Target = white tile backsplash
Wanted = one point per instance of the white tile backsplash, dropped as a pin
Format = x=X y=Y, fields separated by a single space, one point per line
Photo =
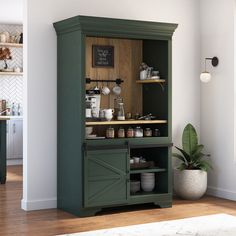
x=11 y=87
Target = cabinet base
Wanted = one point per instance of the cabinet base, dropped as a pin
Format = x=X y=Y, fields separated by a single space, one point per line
x=163 y=204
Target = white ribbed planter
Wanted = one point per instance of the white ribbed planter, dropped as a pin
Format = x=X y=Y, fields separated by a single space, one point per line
x=190 y=184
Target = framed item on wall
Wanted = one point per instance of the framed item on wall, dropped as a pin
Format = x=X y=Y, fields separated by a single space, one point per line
x=103 y=56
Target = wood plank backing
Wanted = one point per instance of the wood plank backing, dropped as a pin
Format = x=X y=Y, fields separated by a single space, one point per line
x=127 y=58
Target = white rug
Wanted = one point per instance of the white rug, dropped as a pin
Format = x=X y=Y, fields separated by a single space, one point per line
x=212 y=225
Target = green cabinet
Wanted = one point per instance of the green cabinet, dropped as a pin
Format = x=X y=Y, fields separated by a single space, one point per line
x=106 y=177
x=93 y=174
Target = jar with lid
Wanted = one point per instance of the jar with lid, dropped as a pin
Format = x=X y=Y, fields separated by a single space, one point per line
x=121 y=132
x=116 y=105
x=130 y=132
x=148 y=132
x=110 y=132
x=121 y=112
x=138 y=132
x=156 y=133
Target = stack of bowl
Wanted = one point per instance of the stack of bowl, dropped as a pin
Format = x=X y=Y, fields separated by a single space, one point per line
x=148 y=181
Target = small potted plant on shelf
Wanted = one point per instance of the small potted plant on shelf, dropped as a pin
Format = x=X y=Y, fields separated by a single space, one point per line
x=190 y=177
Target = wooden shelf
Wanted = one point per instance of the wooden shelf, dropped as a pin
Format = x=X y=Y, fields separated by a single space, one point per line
x=11 y=73
x=150 y=81
x=153 y=170
x=16 y=45
x=126 y=122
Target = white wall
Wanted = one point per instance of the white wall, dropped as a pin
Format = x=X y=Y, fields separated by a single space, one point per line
x=11 y=11
x=40 y=149
x=217 y=97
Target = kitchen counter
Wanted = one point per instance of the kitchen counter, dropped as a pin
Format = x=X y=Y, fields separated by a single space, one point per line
x=3 y=147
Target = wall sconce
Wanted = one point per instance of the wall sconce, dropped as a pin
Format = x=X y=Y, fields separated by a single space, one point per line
x=205 y=76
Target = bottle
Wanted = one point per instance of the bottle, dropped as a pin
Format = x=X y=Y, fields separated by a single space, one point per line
x=121 y=112
x=8 y=107
x=116 y=105
x=19 y=110
x=13 y=109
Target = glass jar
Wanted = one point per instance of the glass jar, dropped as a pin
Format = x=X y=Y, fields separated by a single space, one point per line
x=156 y=133
x=116 y=105
x=121 y=112
x=138 y=132
x=148 y=132
x=110 y=132
x=130 y=132
x=121 y=132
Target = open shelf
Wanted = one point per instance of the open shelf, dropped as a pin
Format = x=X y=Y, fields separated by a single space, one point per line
x=150 y=81
x=153 y=170
x=126 y=122
x=16 y=45
x=11 y=73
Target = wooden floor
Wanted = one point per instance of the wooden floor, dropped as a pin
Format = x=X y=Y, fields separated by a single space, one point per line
x=14 y=221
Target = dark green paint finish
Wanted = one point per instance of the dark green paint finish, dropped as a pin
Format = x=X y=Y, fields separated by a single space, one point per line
x=109 y=27
x=3 y=162
x=82 y=179
x=106 y=177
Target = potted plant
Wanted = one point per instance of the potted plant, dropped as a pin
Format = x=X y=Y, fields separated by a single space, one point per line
x=190 y=177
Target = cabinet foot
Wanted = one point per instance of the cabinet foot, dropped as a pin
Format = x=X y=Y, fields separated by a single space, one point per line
x=163 y=204
x=3 y=181
x=89 y=212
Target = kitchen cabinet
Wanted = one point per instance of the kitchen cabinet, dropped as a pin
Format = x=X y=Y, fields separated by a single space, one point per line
x=15 y=139
x=95 y=173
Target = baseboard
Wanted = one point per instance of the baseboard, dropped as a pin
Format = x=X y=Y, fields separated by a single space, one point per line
x=14 y=162
x=38 y=204
x=221 y=193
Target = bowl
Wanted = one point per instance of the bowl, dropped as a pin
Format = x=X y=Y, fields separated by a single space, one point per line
x=134 y=186
x=88 y=130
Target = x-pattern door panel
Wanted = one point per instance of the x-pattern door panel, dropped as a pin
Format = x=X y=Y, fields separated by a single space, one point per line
x=105 y=177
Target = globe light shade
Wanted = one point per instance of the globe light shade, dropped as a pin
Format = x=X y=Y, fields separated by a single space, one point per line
x=205 y=77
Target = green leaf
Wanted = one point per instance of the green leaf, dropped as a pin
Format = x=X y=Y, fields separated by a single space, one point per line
x=189 y=139
x=198 y=149
x=187 y=157
x=182 y=166
x=182 y=158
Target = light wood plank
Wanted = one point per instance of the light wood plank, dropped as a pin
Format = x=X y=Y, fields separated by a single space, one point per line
x=11 y=73
x=126 y=122
x=150 y=81
x=127 y=58
x=14 y=221
x=16 y=45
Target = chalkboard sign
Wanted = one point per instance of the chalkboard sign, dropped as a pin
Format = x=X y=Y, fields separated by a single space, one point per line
x=103 y=56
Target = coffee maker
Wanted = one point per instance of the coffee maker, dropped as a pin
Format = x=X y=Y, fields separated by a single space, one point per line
x=92 y=101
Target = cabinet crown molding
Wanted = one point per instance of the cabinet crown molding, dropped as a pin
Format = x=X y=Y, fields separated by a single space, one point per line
x=100 y=26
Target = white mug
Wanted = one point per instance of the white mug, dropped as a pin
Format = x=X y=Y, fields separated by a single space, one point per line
x=108 y=114
x=117 y=90
x=105 y=90
x=143 y=74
